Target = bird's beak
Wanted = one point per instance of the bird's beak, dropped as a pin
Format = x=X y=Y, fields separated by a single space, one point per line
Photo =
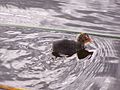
x=88 y=41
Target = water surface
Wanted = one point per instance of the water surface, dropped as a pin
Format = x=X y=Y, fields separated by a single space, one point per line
x=25 y=53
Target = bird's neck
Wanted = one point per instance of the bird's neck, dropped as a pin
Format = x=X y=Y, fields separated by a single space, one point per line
x=81 y=42
x=80 y=46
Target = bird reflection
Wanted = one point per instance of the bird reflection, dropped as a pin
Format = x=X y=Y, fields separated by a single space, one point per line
x=84 y=53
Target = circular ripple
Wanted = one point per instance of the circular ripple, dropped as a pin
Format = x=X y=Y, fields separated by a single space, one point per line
x=29 y=60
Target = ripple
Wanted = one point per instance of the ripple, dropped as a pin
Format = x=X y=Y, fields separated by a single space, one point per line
x=25 y=52
x=33 y=65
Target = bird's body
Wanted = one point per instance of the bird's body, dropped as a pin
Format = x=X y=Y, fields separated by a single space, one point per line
x=66 y=47
x=70 y=47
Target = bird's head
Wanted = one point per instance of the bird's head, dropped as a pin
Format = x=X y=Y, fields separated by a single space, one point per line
x=84 y=38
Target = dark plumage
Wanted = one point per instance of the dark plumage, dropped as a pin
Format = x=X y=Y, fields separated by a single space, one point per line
x=70 y=47
x=66 y=47
x=84 y=53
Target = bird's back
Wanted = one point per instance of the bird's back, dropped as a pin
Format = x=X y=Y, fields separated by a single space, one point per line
x=65 y=46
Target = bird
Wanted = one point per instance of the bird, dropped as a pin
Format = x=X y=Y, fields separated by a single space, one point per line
x=69 y=47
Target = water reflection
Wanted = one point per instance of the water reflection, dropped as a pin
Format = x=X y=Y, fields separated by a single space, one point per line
x=86 y=15
x=25 y=55
x=23 y=4
x=25 y=52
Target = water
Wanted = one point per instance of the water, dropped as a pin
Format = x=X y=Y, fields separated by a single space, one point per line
x=25 y=53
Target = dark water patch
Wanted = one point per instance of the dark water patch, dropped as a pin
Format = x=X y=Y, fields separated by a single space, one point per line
x=90 y=27
x=6 y=77
x=7 y=35
x=89 y=12
x=95 y=87
x=23 y=4
x=117 y=43
x=110 y=69
x=110 y=23
x=26 y=79
x=3 y=69
x=90 y=19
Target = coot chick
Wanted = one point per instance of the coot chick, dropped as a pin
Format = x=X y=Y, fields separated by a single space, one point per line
x=70 y=47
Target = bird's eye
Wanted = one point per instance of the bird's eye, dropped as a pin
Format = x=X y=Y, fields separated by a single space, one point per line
x=86 y=37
